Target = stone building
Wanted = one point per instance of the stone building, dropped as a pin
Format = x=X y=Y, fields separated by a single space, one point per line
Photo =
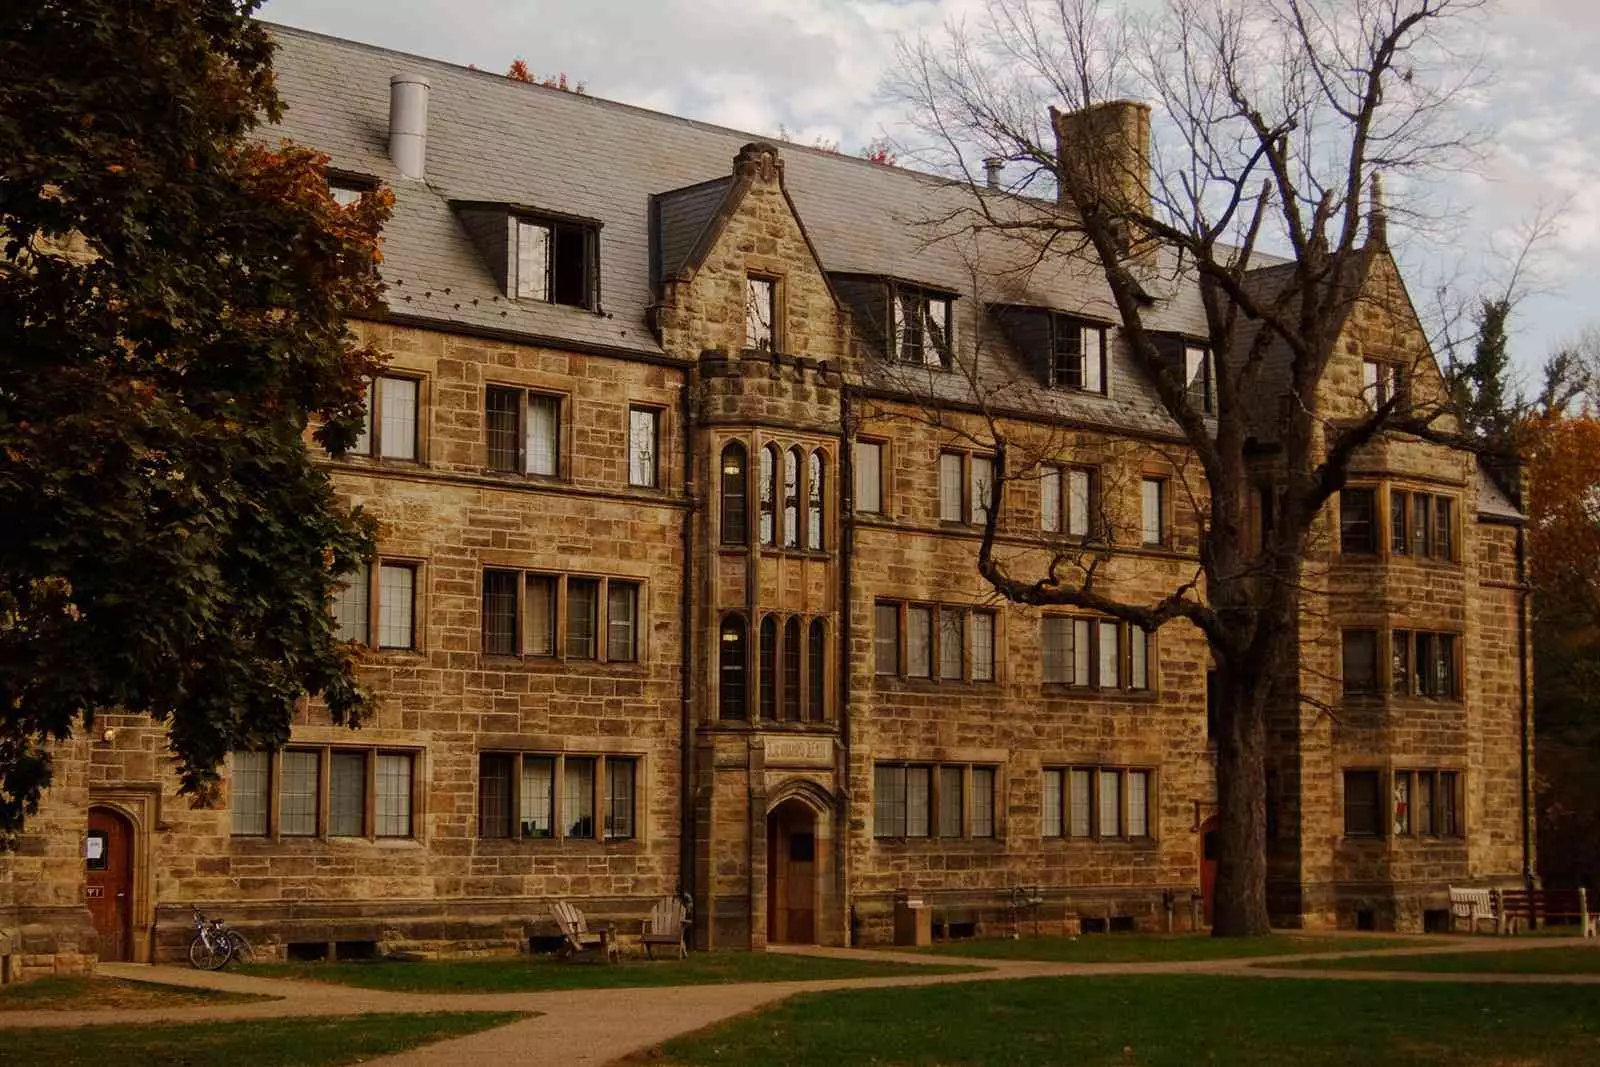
x=679 y=468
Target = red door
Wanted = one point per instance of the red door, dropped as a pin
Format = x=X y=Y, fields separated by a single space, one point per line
x=108 y=882
x=1208 y=865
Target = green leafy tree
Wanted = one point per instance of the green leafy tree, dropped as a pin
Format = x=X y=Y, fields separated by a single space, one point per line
x=173 y=307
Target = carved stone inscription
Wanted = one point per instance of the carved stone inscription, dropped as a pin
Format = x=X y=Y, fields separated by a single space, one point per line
x=799 y=751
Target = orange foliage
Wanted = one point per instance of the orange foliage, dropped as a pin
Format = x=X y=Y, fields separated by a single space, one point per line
x=519 y=72
x=1564 y=503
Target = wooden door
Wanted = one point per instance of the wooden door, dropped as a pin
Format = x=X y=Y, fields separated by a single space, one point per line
x=1208 y=866
x=108 y=882
x=800 y=885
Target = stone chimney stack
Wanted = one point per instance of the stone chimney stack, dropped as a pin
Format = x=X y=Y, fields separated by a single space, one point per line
x=1377 y=215
x=993 y=167
x=408 y=124
x=1105 y=151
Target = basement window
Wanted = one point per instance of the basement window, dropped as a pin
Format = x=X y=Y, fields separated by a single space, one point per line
x=557 y=262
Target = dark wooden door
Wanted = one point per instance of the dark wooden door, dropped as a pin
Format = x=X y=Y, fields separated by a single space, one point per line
x=1208 y=866
x=800 y=885
x=108 y=882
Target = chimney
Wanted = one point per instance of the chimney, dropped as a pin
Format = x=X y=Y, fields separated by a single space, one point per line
x=992 y=167
x=1377 y=215
x=408 y=124
x=1104 y=152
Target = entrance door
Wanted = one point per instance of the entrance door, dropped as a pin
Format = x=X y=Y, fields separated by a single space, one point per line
x=1208 y=865
x=792 y=874
x=108 y=882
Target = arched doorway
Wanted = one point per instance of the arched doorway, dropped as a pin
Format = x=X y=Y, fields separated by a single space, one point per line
x=108 y=881
x=1208 y=865
x=792 y=888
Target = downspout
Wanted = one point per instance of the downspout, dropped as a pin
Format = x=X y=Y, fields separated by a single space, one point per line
x=1524 y=593
x=847 y=548
x=686 y=837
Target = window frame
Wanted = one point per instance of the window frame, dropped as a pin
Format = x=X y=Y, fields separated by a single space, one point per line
x=1207 y=388
x=601 y=817
x=733 y=495
x=526 y=396
x=881 y=448
x=1351 y=541
x=1063 y=515
x=560 y=623
x=1372 y=686
x=369 y=443
x=1382 y=379
x=1406 y=645
x=901 y=297
x=1364 y=830
x=554 y=227
x=1062 y=356
x=1163 y=537
x=1094 y=817
x=774 y=300
x=1439 y=540
x=273 y=778
x=653 y=479
x=1080 y=625
x=899 y=642
x=931 y=824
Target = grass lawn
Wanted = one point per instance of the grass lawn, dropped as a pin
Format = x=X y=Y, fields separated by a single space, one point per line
x=1162 y=1021
x=1157 y=948
x=83 y=994
x=514 y=974
x=304 y=1042
x=1574 y=959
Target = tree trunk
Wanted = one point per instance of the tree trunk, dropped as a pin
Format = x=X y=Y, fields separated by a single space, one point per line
x=1240 y=906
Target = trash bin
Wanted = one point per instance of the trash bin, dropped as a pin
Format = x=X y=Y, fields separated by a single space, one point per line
x=913 y=921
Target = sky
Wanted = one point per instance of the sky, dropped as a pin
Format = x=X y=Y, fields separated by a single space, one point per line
x=813 y=70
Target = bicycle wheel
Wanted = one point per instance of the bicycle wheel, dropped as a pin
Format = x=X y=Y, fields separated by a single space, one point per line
x=242 y=951
x=204 y=956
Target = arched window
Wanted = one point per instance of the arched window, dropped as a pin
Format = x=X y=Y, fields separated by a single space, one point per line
x=735 y=516
x=817 y=647
x=815 y=483
x=791 y=498
x=769 y=495
x=769 y=667
x=791 y=669
x=731 y=660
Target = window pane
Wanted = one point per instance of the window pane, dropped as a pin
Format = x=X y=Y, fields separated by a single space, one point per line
x=622 y=609
x=769 y=495
x=1138 y=658
x=758 y=314
x=1357 y=517
x=791 y=669
x=951 y=809
x=533 y=261
x=1094 y=360
x=1400 y=661
x=908 y=326
x=937 y=342
x=732 y=661
x=919 y=800
x=1402 y=803
x=1110 y=803
x=1109 y=655
x=1080 y=505
x=247 y=793
x=791 y=498
x=577 y=798
x=347 y=794
x=1449 y=809
x=502 y=408
x=297 y=796
x=1152 y=522
x=363 y=445
x=1361 y=803
x=768 y=678
x=1138 y=803
x=869 y=476
x=494 y=796
x=889 y=801
x=983 y=802
x=642 y=432
x=735 y=517
x=1399 y=512
x=817 y=683
x=919 y=642
x=949 y=487
x=1057 y=651
x=1050 y=499
x=396 y=602
x=951 y=654
x=544 y=434
x=816 y=482
x=500 y=612
x=1080 y=651
x=393 y=802
x=350 y=605
x=1423 y=802
x=398 y=434
x=1197 y=374
x=538 y=801
x=886 y=638
x=1360 y=661
x=982 y=488
x=583 y=603
x=1444 y=527
x=983 y=646
x=1080 y=803
x=1050 y=824
x=619 y=798
x=540 y=638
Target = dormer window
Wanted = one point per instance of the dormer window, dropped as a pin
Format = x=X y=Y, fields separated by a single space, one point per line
x=922 y=327
x=555 y=262
x=761 y=314
x=1382 y=381
x=1197 y=376
x=346 y=190
x=1077 y=355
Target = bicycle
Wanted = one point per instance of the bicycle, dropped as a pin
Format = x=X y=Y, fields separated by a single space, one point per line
x=216 y=944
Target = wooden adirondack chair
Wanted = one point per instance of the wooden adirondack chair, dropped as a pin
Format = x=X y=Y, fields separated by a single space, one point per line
x=579 y=939
x=666 y=926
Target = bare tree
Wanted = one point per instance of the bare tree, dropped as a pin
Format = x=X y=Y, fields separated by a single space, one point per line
x=1270 y=120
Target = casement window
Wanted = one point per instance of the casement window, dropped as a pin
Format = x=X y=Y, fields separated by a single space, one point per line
x=1424 y=664
x=817 y=670
x=1421 y=525
x=1358 y=521
x=557 y=262
x=392 y=425
x=522 y=431
x=1360 y=662
x=868 y=462
x=1153 y=511
x=548 y=796
x=1077 y=355
x=801 y=522
x=816 y=488
x=1069 y=500
x=980 y=493
x=1382 y=381
x=922 y=327
x=761 y=314
x=966 y=487
x=1436 y=802
x=735 y=518
x=322 y=791
x=644 y=447
x=560 y=616
x=1197 y=377
x=950 y=486
x=791 y=669
x=942 y=642
x=352 y=605
x=345 y=192
x=767 y=488
x=911 y=800
x=733 y=669
x=1095 y=653
x=1363 y=808
x=381 y=599
x=1096 y=802
x=768 y=680
x=793 y=461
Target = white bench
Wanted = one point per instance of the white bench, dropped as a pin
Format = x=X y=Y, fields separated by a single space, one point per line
x=1475 y=906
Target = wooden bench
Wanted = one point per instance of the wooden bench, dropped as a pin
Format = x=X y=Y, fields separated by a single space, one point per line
x=1475 y=906
x=1531 y=908
x=667 y=925
x=579 y=940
